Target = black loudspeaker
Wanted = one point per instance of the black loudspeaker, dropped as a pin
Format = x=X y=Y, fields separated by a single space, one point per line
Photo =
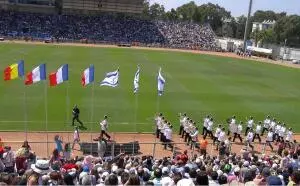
x=112 y=148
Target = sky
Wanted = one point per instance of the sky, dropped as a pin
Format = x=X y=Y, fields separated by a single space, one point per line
x=240 y=7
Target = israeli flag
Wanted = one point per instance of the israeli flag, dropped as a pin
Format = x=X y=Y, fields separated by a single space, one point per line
x=136 y=80
x=160 y=83
x=111 y=79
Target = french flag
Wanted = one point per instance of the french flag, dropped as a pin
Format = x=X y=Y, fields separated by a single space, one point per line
x=88 y=76
x=61 y=75
x=36 y=75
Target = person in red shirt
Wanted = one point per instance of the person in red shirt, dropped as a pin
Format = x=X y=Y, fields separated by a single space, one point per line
x=183 y=157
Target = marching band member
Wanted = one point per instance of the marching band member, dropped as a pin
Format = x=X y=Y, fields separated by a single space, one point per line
x=231 y=125
x=282 y=132
x=158 y=120
x=249 y=125
x=194 y=137
x=104 y=127
x=238 y=132
x=276 y=133
x=273 y=125
x=269 y=138
x=205 y=124
x=182 y=121
x=209 y=128
x=217 y=132
x=257 y=132
x=168 y=137
x=187 y=130
x=185 y=124
x=249 y=138
x=267 y=123
x=162 y=130
x=221 y=137
x=289 y=137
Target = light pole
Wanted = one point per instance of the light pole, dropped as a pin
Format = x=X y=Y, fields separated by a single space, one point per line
x=247 y=24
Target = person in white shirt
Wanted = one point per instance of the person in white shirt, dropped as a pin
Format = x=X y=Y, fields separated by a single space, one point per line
x=185 y=126
x=162 y=130
x=194 y=137
x=267 y=123
x=276 y=133
x=221 y=137
x=217 y=133
x=249 y=138
x=273 y=124
x=282 y=132
x=238 y=132
x=231 y=125
x=158 y=120
x=209 y=128
x=76 y=137
x=269 y=139
x=188 y=130
x=250 y=123
x=257 y=132
x=289 y=137
x=168 y=137
x=182 y=121
x=104 y=127
x=205 y=124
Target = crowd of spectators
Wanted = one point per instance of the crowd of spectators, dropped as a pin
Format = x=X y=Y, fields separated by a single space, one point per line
x=106 y=28
x=245 y=168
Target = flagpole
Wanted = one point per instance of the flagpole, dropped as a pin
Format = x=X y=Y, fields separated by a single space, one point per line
x=46 y=115
x=92 y=115
x=67 y=107
x=25 y=108
x=136 y=111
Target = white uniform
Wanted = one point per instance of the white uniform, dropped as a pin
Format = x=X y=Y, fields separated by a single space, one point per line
x=250 y=136
x=269 y=136
x=258 y=129
x=205 y=122
x=168 y=133
x=233 y=128
x=210 y=125
x=217 y=133
x=221 y=136
x=282 y=131
x=104 y=125
x=165 y=126
x=277 y=129
x=182 y=120
x=272 y=125
x=194 y=135
x=250 y=123
x=158 y=121
x=239 y=129
x=267 y=123
x=232 y=125
x=289 y=136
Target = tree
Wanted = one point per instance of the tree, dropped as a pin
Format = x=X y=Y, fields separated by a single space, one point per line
x=187 y=11
x=156 y=11
x=172 y=15
x=240 y=27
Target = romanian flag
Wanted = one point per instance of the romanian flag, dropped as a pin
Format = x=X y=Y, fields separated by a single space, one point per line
x=14 y=71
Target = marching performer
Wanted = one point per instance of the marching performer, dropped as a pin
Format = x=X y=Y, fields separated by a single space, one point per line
x=162 y=130
x=249 y=138
x=104 y=127
x=191 y=128
x=158 y=121
x=282 y=132
x=205 y=124
x=182 y=121
x=185 y=125
x=194 y=137
x=269 y=138
x=232 y=125
x=76 y=113
x=267 y=123
x=168 y=137
x=289 y=137
x=257 y=132
x=221 y=137
x=209 y=128
x=249 y=125
x=238 y=132
x=217 y=132
x=273 y=125
x=277 y=130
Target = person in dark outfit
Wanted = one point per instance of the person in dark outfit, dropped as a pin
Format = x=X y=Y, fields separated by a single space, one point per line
x=75 y=113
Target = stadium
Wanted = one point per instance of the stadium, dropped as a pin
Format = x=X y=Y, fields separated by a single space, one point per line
x=122 y=92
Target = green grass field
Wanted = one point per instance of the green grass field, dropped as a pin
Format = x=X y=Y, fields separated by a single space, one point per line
x=196 y=84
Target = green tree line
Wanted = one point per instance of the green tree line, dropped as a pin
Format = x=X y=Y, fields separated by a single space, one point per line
x=287 y=27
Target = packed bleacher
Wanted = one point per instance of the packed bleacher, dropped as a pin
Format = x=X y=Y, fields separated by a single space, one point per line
x=107 y=28
x=21 y=167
